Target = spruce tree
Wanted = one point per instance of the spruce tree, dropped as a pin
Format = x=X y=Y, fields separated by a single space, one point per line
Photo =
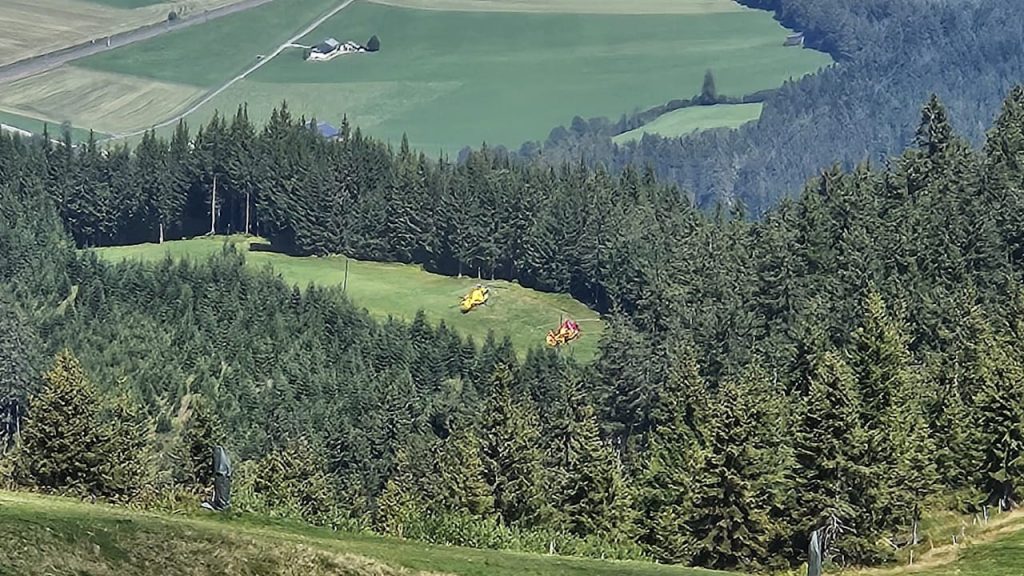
x=675 y=455
x=880 y=359
x=62 y=441
x=511 y=454
x=833 y=483
x=591 y=492
x=128 y=435
x=741 y=486
x=292 y=480
x=934 y=133
x=708 y=92
x=996 y=380
x=893 y=413
x=398 y=506
x=459 y=485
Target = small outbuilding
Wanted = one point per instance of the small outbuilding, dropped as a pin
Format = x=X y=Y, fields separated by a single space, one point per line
x=796 y=39
x=327 y=130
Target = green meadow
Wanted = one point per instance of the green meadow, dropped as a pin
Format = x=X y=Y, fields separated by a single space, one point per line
x=42 y=535
x=400 y=290
x=686 y=120
x=451 y=78
x=48 y=535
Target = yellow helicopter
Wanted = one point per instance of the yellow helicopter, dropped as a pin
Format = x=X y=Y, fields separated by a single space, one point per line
x=476 y=297
x=568 y=330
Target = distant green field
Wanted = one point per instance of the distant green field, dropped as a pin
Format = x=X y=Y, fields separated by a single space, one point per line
x=451 y=79
x=208 y=55
x=686 y=120
x=462 y=76
x=43 y=536
x=127 y=3
x=35 y=126
x=401 y=289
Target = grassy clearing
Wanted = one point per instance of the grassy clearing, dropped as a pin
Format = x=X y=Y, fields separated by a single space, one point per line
x=686 y=120
x=105 y=101
x=208 y=55
x=33 y=27
x=45 y=535
x=400 y=290
x=575 y=6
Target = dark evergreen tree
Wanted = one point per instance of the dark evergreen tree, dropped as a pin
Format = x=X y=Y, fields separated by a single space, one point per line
x=511 y=455
x=744 y=477
x=62 y=441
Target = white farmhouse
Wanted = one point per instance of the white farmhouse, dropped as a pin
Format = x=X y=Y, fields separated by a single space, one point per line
x=330 y=48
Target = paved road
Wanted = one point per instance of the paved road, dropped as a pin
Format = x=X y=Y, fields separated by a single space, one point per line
x=213 y=94
x=51 y=60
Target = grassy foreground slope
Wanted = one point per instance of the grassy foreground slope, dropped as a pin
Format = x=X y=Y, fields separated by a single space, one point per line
x=47 y=535
x=400 y=290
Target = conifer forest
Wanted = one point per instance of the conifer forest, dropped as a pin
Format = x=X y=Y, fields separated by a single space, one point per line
x=846 y=359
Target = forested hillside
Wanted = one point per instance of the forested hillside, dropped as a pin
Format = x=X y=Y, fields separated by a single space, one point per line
x=890 y=56
x=845 y=362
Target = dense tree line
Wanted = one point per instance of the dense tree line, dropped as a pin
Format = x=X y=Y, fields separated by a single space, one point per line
x=890 y=56
x=568 y=230
x=845 y=362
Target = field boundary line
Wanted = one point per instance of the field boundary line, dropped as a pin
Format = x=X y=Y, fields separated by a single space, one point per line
x=40 y=63
x=290 y=43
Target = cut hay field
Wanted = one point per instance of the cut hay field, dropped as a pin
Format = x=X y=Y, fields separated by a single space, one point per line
x=400 y=290
x=686 y=120
x=104 y=101
x=49 y=535
x=467 y=71
x=34 y=27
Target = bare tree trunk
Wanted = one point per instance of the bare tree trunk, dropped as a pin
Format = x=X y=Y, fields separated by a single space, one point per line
x=247 y=212
x=161 y=232
x=213 y=207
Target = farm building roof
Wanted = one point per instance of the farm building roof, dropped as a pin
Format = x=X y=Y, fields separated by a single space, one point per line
x=326 y=130
x=327 y=46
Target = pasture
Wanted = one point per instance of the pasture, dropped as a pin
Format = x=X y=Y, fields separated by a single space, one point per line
x=574 y=6
x=452 y=78
x=208 y=55
x=48 y=535
x=468 y=71
x=34 y=27
x=400 y=290
x=686 y=120
x=51 y=535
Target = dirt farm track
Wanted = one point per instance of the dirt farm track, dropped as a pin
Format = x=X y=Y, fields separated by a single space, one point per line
x=42 y=63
